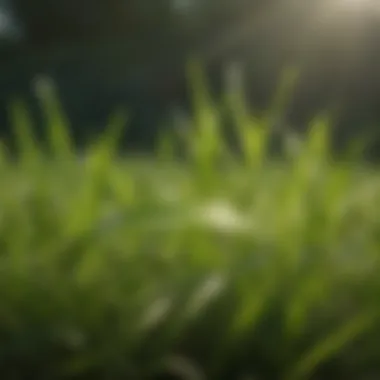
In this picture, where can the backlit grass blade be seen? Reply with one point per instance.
(206, 141)
(28, 150)
(97, 168)
(282, 96)
(330, 346)
(58, 126)
(253, 133)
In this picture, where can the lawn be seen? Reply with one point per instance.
(210, 267)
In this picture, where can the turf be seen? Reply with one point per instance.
(210, 267)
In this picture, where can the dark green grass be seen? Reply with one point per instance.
(212, 268)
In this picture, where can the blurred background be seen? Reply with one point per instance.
(132, 53)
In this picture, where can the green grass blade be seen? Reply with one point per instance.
(58, 126)
(332, 345)
(27, 147)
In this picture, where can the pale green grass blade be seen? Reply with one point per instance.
(206, 141)
(282, 96)
(97, 166)
(28, 149)
(332, 345)
(58, 126)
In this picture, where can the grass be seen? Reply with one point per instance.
(209, 268)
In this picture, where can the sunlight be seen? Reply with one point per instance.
(341, 30)
(348, 12)
(355, 5)
(347, 18)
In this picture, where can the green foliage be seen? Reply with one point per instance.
(211, 268)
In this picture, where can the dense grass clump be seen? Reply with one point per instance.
(214, 267)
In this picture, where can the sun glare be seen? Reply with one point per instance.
(357, 5)
(349, 14)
